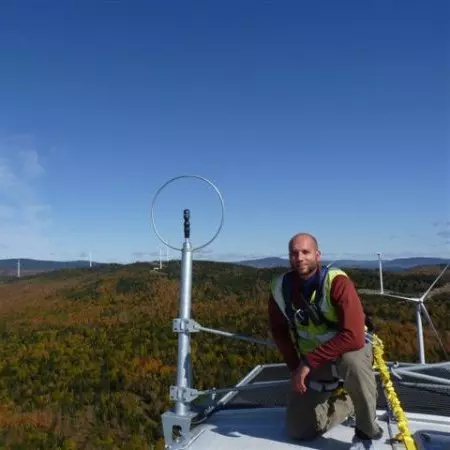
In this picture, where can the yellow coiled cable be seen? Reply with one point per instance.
(391, 395)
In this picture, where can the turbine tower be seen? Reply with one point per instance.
(163, 254)
(380, 269)
(421, 308)
(18, 268)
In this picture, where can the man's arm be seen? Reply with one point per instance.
(351, 335)
(279, 329)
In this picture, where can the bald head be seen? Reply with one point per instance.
(304, 237)
(304, 254)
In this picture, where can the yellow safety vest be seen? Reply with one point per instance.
(309, 335)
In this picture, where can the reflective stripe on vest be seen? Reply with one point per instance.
(277, 292)
(319, 337)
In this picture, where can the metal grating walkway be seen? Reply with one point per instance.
(433, 399)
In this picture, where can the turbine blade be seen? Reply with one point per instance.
(425, 312)
(411, 299)
(435, 281)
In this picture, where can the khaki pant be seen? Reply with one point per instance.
(312, 413)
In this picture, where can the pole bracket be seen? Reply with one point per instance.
(184, 394)
(185, 325)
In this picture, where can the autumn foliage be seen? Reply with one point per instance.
(87, 356)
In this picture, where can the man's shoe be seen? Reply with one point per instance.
(364, 437)
(363, 442)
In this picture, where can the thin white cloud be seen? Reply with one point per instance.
(233, 256)
(24, 214)
(6, 212)
(140, 254)
(443, 229)
(31, 166)
(442, 223)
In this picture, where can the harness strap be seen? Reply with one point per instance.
(289, 310)
(325, 386)
(313, 309)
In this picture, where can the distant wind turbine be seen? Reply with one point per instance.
(420, 308)
(163, 254)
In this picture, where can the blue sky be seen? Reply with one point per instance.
(327, 117)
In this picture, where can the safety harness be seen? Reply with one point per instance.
(313, 312)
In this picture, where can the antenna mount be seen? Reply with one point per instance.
(180, 418)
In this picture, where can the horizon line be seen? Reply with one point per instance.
(244, 258)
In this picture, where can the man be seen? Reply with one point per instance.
(318, 324)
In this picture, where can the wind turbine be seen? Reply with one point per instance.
(18, 268)
(420, 308)
(163, 254)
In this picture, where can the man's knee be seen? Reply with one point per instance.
(303, 416)
(303, 431)
(301, 423)
(321, 418)
(357, 360)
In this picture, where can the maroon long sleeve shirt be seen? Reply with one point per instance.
(351, 335)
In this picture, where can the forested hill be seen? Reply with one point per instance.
(87, 355)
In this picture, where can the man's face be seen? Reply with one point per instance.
(304, 256)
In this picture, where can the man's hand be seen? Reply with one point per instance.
(298, 378)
